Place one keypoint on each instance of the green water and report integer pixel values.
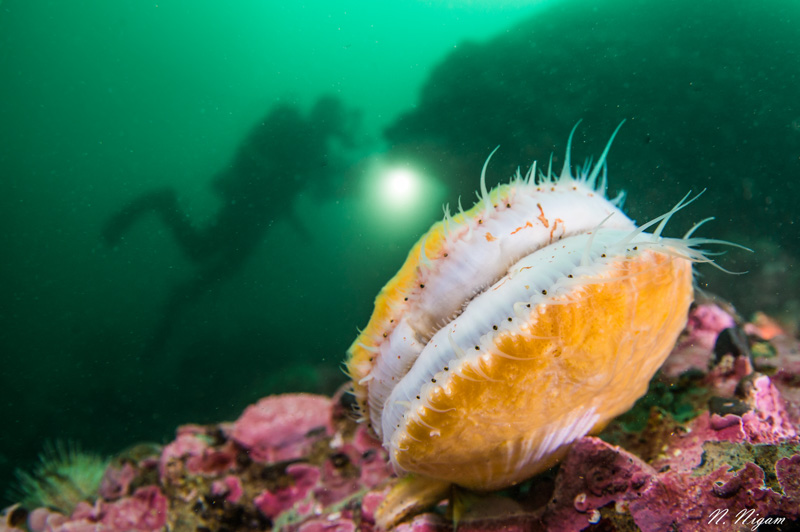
(101, 102)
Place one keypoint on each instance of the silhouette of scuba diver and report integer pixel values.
(284, 154)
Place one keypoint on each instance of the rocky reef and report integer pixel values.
(714, 445)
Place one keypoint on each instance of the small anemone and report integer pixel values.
(64, 476)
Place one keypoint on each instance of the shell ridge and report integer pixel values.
(544, 275)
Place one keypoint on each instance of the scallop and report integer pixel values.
(519, 326)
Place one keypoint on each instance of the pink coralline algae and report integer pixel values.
(290, 462)
(303, 478)
(788, 473)
(117, 481)
(193, 452)
(230, 487)
(599, 481)
(696, 344)
(714, 445)
(274, 429)
(145, 510)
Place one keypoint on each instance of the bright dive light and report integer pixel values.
(400, 187)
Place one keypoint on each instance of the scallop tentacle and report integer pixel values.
(591, 180)
(680, 205)
(484, 195)
(566, 172)
(696, 226)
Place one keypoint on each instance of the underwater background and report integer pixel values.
(201, 200)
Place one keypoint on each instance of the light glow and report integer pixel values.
(400, 187)
(400, 197)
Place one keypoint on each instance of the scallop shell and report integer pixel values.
(519, 326)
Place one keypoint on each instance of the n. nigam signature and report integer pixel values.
(746, 516)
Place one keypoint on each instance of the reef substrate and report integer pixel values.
(715, 444)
